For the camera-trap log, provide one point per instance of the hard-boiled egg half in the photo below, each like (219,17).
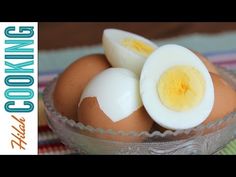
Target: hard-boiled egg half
(112,100)
(126,50)
(176,88)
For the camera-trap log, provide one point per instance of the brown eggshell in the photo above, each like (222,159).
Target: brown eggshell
(211,68)
(89,113)
(42,121)
(225,99)
(73,80)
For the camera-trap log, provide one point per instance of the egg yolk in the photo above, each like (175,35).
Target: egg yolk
(180,88)
(138,46)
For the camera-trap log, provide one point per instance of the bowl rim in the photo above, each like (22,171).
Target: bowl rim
(49,106)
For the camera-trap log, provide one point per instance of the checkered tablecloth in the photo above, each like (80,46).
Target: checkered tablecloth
(220,50)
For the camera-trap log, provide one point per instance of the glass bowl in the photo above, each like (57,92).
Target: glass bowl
(204,139)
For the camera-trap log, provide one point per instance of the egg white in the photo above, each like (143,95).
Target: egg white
(117,92)
(120,56)
(158,62)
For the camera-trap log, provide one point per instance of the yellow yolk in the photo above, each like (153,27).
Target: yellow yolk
(180,88)
(138,46)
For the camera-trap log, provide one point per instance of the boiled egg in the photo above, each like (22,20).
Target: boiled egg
(112,101)
(225,99)
(176,88)
(73,80)
(126,50)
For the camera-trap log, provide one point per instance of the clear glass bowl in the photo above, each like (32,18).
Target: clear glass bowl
(204,139)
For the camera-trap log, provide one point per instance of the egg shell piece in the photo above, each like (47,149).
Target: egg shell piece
(157,63)
(89,113)
(117,92)
(120,56)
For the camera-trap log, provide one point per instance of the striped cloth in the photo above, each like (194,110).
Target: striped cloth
(49,142)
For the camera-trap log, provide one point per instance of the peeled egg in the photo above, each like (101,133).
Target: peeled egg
(72,81)
(211,68)
(176,88)
(126,50)
(225,99)
(112,101)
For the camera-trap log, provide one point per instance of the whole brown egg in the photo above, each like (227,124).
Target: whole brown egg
(225,99)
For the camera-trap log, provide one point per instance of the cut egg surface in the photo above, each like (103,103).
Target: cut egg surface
(117,92)
(126,50)
(176,88)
